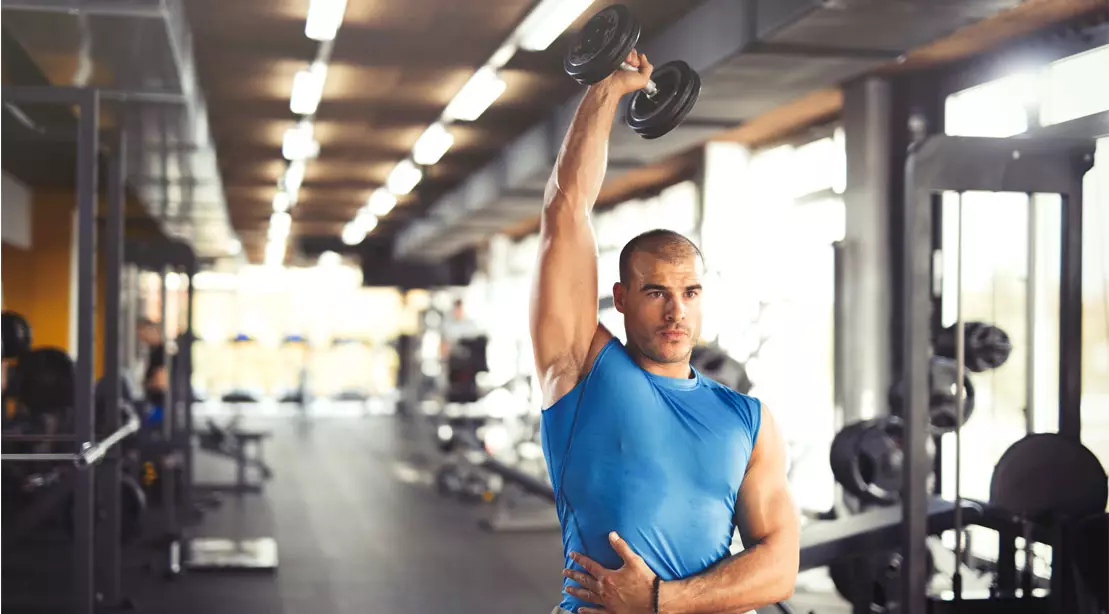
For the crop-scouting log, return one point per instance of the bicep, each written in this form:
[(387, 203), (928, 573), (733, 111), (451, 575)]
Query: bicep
[(564, 295), (765, 501)]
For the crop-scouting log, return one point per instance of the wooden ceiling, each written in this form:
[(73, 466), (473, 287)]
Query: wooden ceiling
[(393, 69)]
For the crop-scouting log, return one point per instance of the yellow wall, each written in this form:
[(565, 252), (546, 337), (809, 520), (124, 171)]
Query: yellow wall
[(36, 281)]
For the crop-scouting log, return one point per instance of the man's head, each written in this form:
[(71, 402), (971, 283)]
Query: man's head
[(659, 293), (150, 332)]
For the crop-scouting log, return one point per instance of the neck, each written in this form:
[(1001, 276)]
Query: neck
[(678, 370)]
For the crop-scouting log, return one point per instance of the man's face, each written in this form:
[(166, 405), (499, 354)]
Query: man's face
[(661, 303)]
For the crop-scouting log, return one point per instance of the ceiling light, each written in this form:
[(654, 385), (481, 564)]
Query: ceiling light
[(299, 142), (503, 55), (308, 88), (280, 223), (547, 21), (404, 176), (381, 202), (352, 234), (479, 93), (432, 144), (365, 221), (281, 202), (275, 253), (324, 17), (234, 247), (294, 176), (330, 259)]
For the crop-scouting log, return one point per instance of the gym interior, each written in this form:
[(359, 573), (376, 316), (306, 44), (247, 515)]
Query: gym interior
[(314, 225)]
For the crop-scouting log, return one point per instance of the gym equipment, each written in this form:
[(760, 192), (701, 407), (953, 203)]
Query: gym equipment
[(46, 383), (866, 459), (1045, 474), (986, 346), (713, 362), (16, 334), (234, 443), (873, 579), (942, 374), (600, 48)]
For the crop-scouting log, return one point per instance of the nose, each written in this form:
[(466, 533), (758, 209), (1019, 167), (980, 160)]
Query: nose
[(675, 311)]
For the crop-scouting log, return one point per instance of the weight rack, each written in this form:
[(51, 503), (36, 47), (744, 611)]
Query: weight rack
[(90, 455), (1051, 160)]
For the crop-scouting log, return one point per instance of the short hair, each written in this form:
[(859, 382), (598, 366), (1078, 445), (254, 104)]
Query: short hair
[(660, 243), (145, 322)]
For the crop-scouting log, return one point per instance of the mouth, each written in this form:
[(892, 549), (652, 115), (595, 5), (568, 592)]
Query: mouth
[(673, 334)]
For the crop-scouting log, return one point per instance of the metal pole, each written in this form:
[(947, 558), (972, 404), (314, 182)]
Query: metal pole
[(916, 282), (167, 474), (110, 469), (1030, 321), (960, 391), (84, 418), (1070, 315), (187, 364)]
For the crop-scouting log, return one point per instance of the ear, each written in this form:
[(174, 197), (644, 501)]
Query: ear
[(619, 295)]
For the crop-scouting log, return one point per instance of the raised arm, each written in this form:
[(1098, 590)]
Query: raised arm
[(564, 330), (765, 572)]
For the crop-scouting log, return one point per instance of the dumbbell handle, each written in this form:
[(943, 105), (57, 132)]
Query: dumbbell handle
[(651, 88)]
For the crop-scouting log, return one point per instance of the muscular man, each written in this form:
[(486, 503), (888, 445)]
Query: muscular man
[(648, 458)]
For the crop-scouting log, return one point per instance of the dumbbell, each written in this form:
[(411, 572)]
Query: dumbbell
[(600, 48)]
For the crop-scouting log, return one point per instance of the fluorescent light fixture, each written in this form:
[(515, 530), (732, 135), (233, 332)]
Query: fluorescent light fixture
[(381, 202), (547, 21), (275, 253), (503, 55), (479, 93), (365, 221), (294, 176), (432, 144), (281, 202), (299, 142), (324, 18), (352, 234), (280, 223), (404, 176), (308, 88)]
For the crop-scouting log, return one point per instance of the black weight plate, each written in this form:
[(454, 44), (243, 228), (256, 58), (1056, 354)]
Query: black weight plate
[(16, 334), (602, 44), (679, 86), (986, 346), (941, 395), (679, 112), (842, 457), (875, 579), (47, 380), (1046, 473)]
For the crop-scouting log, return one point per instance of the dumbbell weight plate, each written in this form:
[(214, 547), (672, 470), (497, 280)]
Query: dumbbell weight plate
[(602, 44), (679, 86)]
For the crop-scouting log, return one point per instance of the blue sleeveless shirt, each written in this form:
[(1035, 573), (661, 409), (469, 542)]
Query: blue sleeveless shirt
[(657, 459)]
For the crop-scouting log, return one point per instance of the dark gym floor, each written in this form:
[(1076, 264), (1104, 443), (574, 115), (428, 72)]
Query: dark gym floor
[(359, 529)]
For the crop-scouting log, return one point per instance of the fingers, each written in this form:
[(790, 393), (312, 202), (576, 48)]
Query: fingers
[(645, 67), (633, 58), (587, 581), (594, 568), (623, 549), (585, 595)]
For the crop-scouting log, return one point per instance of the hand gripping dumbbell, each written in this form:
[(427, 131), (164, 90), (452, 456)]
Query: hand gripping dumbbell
[(600, 49)]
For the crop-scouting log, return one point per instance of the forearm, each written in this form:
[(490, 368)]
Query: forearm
[(580, 168), (754, 578)]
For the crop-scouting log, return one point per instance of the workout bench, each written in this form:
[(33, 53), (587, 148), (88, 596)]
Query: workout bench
[(233, 442)]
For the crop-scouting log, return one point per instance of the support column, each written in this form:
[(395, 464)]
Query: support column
[(863, 299)]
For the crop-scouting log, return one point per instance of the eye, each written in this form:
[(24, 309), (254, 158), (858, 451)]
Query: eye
[(654, 294), (692, 293)]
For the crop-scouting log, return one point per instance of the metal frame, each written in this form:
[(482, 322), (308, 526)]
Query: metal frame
[(947, 163), (87, 102)]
